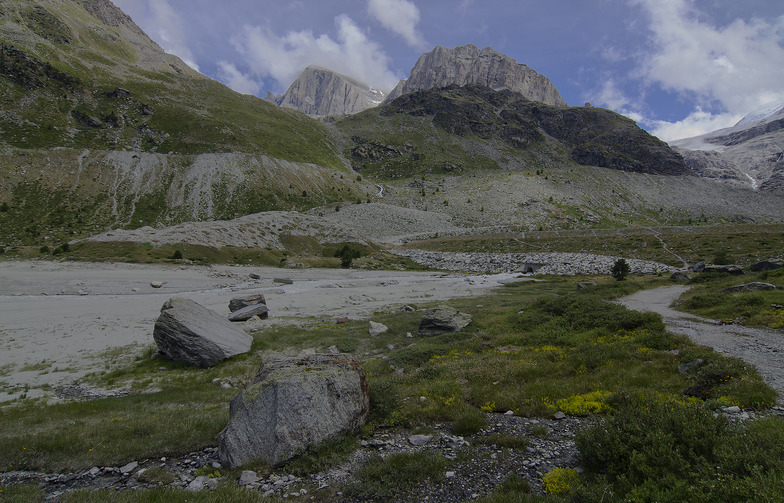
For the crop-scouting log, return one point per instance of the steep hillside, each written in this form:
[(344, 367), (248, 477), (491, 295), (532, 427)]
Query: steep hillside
[(71, 79), (320, 92), (84, 90), (466, 64), (459, 129)]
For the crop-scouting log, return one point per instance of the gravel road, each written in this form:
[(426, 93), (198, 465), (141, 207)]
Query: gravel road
[(760, 347)]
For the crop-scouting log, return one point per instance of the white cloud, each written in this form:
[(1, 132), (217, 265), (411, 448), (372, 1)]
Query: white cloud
[(400, 17), (235, 79), (730, 69), (162, 23), (282, 58), (697, 123)]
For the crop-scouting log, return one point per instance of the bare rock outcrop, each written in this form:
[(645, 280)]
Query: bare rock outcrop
[(187, 331), (467, 64), (294, 403), (320, 92)]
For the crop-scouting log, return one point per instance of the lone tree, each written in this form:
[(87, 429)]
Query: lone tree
[(347, 254), (620, 269)]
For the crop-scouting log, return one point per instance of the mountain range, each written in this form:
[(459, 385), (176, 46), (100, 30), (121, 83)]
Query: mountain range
[(750, 152), (101, 129)]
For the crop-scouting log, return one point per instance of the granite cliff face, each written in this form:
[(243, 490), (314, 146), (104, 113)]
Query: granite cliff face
[(319, 92), (749, 153), (467, 64)]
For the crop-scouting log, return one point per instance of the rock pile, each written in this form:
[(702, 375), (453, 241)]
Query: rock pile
[(245, 308), (553, 263)]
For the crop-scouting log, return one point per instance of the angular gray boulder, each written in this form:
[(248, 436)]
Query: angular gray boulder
[(249, 312), (187, 331), (442, 320), (238, 303), (292, 404)]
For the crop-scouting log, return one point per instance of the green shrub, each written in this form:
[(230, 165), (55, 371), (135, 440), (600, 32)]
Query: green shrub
[(620, 269), (655, 450), (560, 480), (384, 399), (347, 254), (381, 479), (468, 420), (582, 312)]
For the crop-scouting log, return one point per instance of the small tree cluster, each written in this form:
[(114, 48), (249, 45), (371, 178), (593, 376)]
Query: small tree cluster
[(347, 254)]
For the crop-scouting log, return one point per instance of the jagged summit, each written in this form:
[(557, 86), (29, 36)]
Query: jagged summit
[(321, 92), (467, 64)]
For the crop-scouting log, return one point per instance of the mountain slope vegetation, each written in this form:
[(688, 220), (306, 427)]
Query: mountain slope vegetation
[(100, 128), (456, 129)]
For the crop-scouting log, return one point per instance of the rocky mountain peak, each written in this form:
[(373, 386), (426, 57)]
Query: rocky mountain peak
[(749, 153), (320, 92), (468, 64)]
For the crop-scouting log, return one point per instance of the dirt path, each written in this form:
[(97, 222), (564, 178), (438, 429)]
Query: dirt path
[(760, 347)]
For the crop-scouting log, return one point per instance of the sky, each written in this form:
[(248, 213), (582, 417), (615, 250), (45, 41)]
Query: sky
[(679, 68)]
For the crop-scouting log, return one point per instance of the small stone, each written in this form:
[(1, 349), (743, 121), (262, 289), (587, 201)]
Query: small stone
[(423, 399), (409, 335), (559, 415), (156, 284), (253, 275), (377, 329), (197, 484), (129, 467), (509, 413), (248, 477), (217, 465), (449, 475), (333, 350), (731, 410)]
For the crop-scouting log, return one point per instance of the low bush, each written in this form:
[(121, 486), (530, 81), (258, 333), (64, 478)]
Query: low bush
[(663, 450), (384, 479)]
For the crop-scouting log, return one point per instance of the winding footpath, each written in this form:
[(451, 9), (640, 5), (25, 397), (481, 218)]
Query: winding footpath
[(762, 348)]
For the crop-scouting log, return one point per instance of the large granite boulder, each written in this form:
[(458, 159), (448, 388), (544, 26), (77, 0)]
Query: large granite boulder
[(442, 320), (292, 404), (189, 332)]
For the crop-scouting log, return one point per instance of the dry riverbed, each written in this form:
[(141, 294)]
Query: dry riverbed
[(61, 321)]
